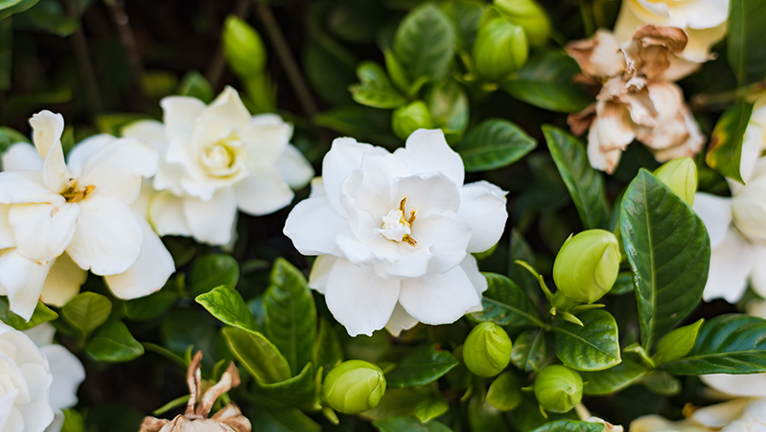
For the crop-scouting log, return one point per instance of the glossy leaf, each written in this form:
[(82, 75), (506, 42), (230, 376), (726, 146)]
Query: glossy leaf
[(585, 184), (431, 407), (505, 303), (327, 349), (226, 304), (257, 354), (662, 383), (570, 426), (287, 393), (290, 314), (213, 270), (10, 7), (421, 366), (152, 306), (483, 417), (282, 420), (623, 284), (114, 343), (530, 351), (746, 39), (725, 150), (87, 311), (448, 104), (425, 43), (375, 89), (495, 143), (613, 379), (668, 249), (594, 346), (677, 343), (733, 344), (41, 314), (409, 424)]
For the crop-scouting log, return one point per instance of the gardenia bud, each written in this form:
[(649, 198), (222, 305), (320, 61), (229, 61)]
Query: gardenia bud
[(529, 15), (680, 176), (354, 386), (487, 349), (500, 49), (410, 118), (243, 47), (587, 264), (558, 388)]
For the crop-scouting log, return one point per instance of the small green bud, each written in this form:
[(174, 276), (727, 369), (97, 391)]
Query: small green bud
[(558, 388), (243, 47), (354, 386), (500, 49), (587, 264), (410, 118), (680, 176), (487, 349), (529, 15), (505, 392)]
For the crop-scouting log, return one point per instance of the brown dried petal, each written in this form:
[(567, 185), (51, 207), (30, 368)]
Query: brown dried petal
[(599, 159), (581, 121), (651, 50), (232, 416), (599, 55), (229, 380), (152, 424), (182, 424)]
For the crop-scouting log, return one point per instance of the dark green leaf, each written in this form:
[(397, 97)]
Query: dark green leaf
[(286, 420), (483, 417), (677, 343), (613, 379), (746, 39), (195, 84), (662, 383), (291, 318), (87, 311), (114, 343), (570, 426), (375, 89), (48, 16), (495, 143), (594, 346), (448, 105), (6, 57), (725, 150), (287, 393), (623, 285), (530, 350), (465, 15), (190, 327), (425, 43), (213, 270), (409, 424), (154, 305), (732, 344), (505, 303), (41, 314), (422, 366), (257, 354), (398, 403), (226, 304), (668, 249), (585, 184), (329, 68), (327, 350)]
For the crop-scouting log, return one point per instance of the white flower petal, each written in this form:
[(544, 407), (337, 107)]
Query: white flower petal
[(26, 187), (312, 225), (730, 264), (427, 151), (68, 374), (228, 108), (108, 236), (63, 281), (483, 206), (344, 157), (179, 113), (6, 231), (379, 249), (320, 271), (448, 236), (22, 157), (359, 299), (151, 132), (294, 167), (699, 14), (758, 272), (427, 194), (47, 128), (748, 208), (37, 415), (400, 320), (167, 216), (41, 334), (719, 415), (149, 273), (42, 231), (715, 212), (211, 221), (439, 299), (85, 150), (266, 139), (413, 263), (471, 269), (750, 385), (117, 169), (22, 279), (263, 192)]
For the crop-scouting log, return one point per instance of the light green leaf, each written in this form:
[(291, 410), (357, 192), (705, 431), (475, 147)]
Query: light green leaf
[(409, 424), (530, 351), (594, 346), (677, 343), (732, 344), (662, 383), (585, 184), (448, 105), (257, 354), (570, 426), (10, 7), (73, 421), (226, 304), (422, 366), (613, 379), (505, 392), (746, 39), (210, 271), (425, 43), (243, 47), (668, 249), (87, 311), (291, 318), (195, 84), (465, 15), (114, 343), (375, 89), (725, 150), (41, 314), (431, 407), (495, 143), (287, 393), (505, 304)]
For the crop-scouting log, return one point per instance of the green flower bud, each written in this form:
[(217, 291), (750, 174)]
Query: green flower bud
[(529, 15), (243, 47), (487, 349), (500, 49), (587, 264), (410, 118), (354, 386), (680, 176), (558, 388)]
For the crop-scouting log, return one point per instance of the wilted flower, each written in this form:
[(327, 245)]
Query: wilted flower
[(394, 233), (214, 160), (227, 419), (637, 98), (558, 388), (58, 220), (587, 264), (487, 349), (354, 386)]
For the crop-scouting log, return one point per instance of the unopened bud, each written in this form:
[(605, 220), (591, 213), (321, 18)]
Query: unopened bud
[(354, 386), (530, 16), (500, 49), (558, 388), (243, 47), (680, 176), (487, 349), (410, 118), (587, 264)]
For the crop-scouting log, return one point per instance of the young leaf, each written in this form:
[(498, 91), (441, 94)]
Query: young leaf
[(225, 303), (41, 314), (495, 143), (594, 346), (725, 151), (114, 343), (746, 39), (422, 366), (375, 89), (448, 105), (257, 354), (87, 311), (213, 270), (291, 318), (505, 303), (668, 249), (570, 426), (409, 424), (287, 393), (733, 344), (425, 43), (530, 350), (677, 343), (431, 407), (585, 184), (613, 379)]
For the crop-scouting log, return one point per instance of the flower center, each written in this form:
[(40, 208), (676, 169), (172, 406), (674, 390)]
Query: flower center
[(397, 227), (220, 159), (76, 194)]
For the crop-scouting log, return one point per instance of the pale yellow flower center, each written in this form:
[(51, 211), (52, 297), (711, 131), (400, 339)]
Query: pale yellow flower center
[(75, 193), (221, 158), (397, 227)]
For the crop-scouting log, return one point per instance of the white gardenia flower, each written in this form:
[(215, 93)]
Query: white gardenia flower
[(59, 220), (394, 233), (216, 159)]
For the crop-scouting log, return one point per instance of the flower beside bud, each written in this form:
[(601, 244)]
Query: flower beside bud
[(354, 386), (558, 388), (500, 49), (487, 349), (680, 175), (410, 118), (587, 264)]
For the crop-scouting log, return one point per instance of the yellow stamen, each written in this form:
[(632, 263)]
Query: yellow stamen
[(407, 222), (75, 194)]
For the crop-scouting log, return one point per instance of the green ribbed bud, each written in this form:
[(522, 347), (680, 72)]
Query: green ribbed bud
[(530, 16), (243, 47), (499, 50), (410, 118), (587, 264), (558, 388), (680, 176), (354, 386), (487, 349)]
